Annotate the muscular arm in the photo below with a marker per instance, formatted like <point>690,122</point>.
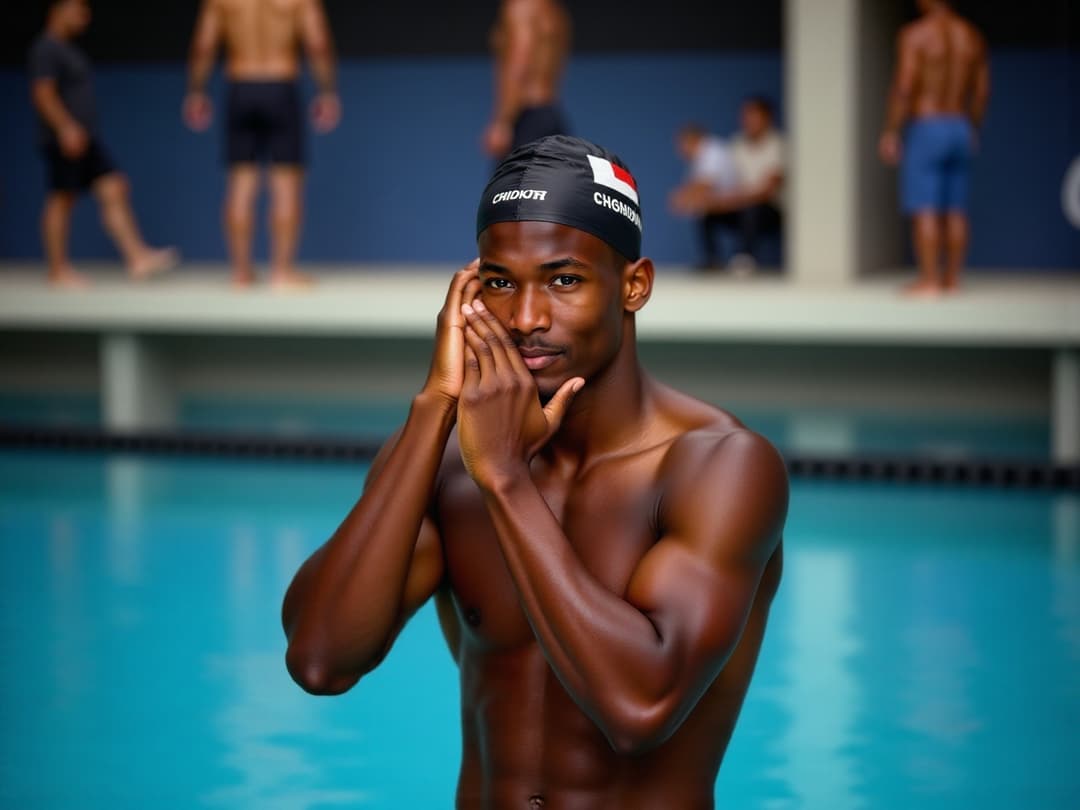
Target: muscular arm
<point>980,92</point>
<point>512,67</point>
<point>638,663</point>
<point>204,46</point>
<point>350,599</point>
<point>903,85</point>
<point>319,44</point>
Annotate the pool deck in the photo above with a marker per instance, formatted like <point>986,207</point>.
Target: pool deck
<point>993,311</point>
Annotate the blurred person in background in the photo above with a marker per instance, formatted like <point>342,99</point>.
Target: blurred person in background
<point>752,208</point>
<point>940,90</point>
<point>531,43</point>
<point>263,116</point>
<point>62,92</point>
<point>711,173</point>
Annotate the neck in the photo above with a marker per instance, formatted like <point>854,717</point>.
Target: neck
<point>607,413</point>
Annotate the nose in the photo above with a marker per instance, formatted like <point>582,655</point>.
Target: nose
<point>531,312</point>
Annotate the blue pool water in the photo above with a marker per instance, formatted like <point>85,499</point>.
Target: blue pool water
<point>924,650</point>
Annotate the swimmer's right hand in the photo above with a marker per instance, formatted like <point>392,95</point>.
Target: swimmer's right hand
<point>447,373</point>
<point>198,111</point>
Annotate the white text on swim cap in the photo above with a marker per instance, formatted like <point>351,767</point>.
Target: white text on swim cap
<point>618,206</point>
<point>518,194</point>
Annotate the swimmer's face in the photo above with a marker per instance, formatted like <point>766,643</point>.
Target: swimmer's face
<point>562,294</point>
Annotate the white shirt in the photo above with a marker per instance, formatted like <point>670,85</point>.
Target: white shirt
<point>757,161</point>
<point>713,164</point>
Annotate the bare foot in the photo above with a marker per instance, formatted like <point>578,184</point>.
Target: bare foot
<point>68,278</point>
<point>950,286</point>
<point>922,289</point>
<point>243,279</point>
<point>291,281</point>
<point>154,262</point>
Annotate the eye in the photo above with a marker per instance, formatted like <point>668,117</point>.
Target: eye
<point>497,283</point>
<point>565,281</point>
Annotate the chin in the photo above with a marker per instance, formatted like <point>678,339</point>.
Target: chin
<point>547,387</point>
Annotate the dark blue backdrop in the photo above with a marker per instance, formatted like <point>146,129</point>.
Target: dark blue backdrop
<point>398,180</point>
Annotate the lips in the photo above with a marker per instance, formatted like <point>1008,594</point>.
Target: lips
<point>537,358</point>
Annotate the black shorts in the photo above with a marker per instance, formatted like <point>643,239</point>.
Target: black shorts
<point>534,123</point>
<point>264,122</point>
<point>78,174</point>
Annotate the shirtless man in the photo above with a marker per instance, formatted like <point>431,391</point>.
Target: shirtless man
<point>531,42</point>
<point>602,549</point>
<point>263,115</point>
<point>62,92</point>
<point>941,84</point>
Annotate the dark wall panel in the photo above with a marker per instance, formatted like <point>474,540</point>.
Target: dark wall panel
<point>159,30</point>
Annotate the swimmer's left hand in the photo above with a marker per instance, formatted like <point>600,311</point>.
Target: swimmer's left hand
<point>501,423</point>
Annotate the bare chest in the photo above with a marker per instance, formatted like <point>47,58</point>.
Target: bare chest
<point>609,521</point>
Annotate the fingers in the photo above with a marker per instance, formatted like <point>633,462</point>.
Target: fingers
<point>472,369</point>
<point>488,364</point>
<point>466,283</point>
<point>491,329</point>
<point>498,341</point>
<point>556,408</point>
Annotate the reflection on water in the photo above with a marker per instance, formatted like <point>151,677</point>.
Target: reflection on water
<point>264,727</point>
<point>125,481</point>
<point>922,651</point>
<point>819,693</point>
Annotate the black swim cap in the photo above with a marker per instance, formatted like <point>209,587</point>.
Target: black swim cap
<point>568,181</point>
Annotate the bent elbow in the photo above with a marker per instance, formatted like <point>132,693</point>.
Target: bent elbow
<point>635,735</point>
<point>634,742</point>
<point>315,676</point>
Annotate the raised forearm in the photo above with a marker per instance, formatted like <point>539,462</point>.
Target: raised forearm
<point>607,654</point>
<point>345,603</point>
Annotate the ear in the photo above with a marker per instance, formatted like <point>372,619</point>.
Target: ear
<point>637,284</point>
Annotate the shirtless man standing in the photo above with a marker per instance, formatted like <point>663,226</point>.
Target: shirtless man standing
<point>263,115</point>
<point>62,92</point>
<point>941,84</point>
<point>603,550</point>
<point>531,42</point>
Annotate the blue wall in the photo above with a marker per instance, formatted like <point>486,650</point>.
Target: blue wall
<point>398,181</point>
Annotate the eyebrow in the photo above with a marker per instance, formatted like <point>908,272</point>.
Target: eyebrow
<point>555,264</point>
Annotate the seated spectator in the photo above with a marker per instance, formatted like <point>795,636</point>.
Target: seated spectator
<point>711,173</point>
<point>751,206</point>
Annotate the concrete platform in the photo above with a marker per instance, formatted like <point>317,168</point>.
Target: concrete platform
<point>993,309</point>
<point>995,313</point>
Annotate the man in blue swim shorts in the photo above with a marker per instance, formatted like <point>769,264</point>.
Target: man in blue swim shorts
<point>940,90</point>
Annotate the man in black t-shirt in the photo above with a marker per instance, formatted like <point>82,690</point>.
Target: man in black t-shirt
<point>63,96</point>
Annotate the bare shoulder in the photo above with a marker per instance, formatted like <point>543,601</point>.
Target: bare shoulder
<point>722,482</point>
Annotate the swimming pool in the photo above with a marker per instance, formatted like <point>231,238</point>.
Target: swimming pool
<point>924,649</point>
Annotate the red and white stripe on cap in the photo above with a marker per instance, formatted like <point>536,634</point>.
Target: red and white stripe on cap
<point>614,177</point>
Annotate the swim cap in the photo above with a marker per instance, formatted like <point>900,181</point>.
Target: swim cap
<point>569,181</point>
